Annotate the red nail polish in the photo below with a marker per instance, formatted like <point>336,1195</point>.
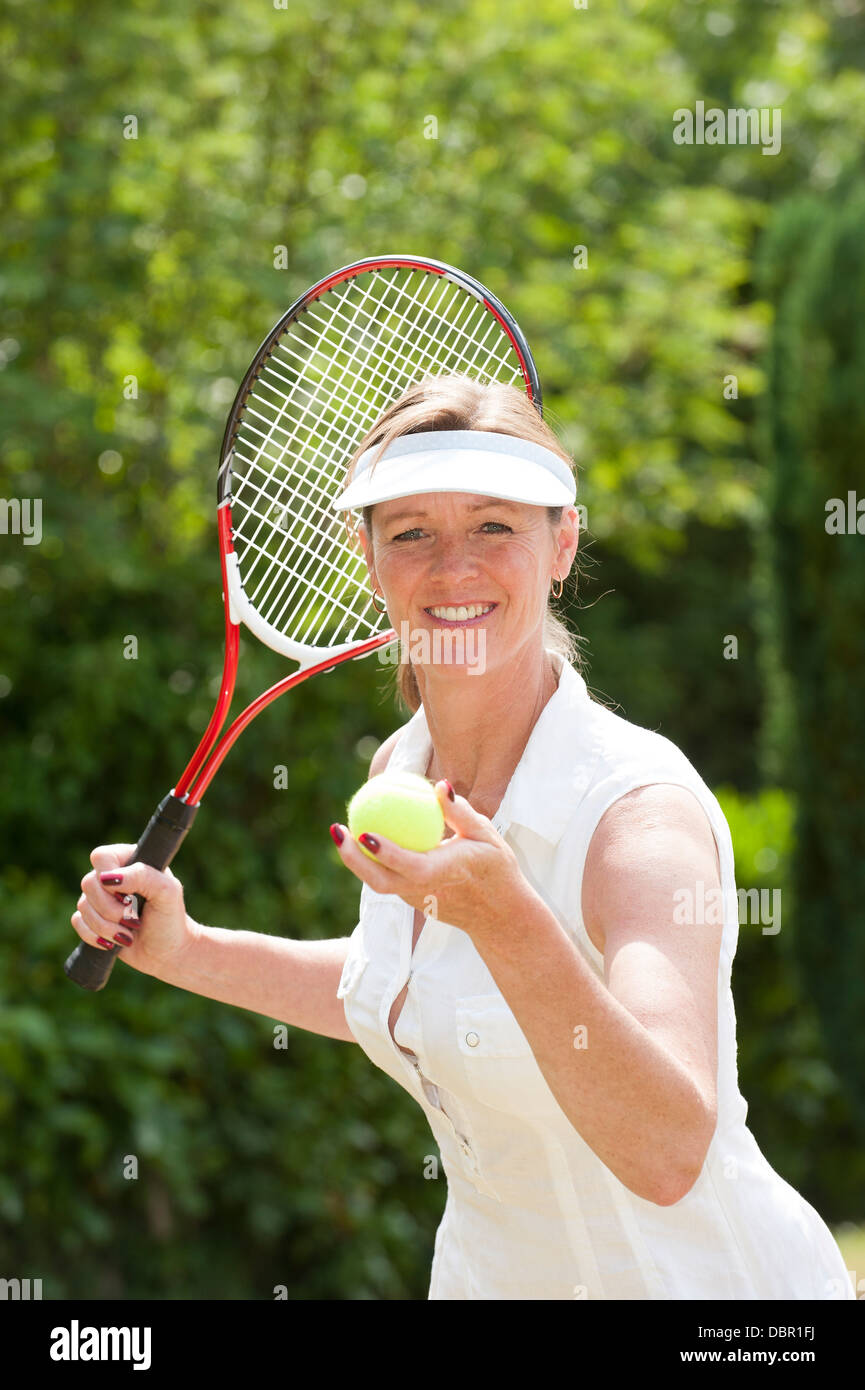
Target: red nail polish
<point>451,793</point>
<point>369,842</point>
<point>103,942</point>
<point>111,877</point>
<point>122,939</point>
<point>336,835</point>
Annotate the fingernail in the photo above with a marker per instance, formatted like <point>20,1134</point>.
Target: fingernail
<point>369,842</point>
<point>111,877</point>
<point>103,942</point>
<point>451,793</point>
<point>337,835</point>
<point>122,939</point>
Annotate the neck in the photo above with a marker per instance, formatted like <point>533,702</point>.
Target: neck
<point>480,725</point>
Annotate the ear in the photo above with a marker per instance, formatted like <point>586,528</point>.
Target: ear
<point>567,541</point>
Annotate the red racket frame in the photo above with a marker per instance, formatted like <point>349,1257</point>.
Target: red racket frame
<point>197,776</point>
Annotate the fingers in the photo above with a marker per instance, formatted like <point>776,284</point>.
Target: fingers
<point>121,881</point>
<point>109,905</point>
<point>98,930</point>
<point>462,817</point>
<point>382,860</point>
<point>383,854</point>
<point>106,912</point>
<point>104,915</point>
<point>109,856</point>
<point>157,886</point>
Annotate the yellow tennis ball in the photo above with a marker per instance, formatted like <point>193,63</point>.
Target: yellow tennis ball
<point>401,806</point>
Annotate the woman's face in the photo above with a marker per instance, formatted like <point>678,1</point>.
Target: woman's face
<point>457,560</point>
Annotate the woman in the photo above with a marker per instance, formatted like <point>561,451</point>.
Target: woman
<point>531,981</point>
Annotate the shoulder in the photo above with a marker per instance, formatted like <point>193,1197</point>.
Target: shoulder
<point>381,756</point>
<point>600,757</point>
<point>657,807</point>
<point>618,740</point>
<point>628,773</point>
<point>650,840</point>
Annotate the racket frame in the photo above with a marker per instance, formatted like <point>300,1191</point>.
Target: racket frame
<point>90,966</point>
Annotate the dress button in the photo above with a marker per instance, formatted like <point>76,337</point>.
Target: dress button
<point>472,1039</point>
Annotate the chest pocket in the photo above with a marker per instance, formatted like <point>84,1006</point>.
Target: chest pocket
<point>486,1027</point>
<point>498,1063</point>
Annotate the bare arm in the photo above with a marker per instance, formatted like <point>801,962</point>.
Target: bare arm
<point>641,1090</point>
<point>294,982</point>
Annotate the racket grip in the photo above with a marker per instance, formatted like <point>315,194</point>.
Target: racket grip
<point>90,966</point>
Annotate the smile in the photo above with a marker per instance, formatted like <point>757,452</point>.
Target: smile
<point>462,613</point>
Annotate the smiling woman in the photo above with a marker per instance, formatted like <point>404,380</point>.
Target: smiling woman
<point>530,981</point>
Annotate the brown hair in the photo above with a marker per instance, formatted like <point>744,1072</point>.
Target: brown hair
<point>459,402</point>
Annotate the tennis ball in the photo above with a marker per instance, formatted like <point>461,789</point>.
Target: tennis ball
<point>401,806</point>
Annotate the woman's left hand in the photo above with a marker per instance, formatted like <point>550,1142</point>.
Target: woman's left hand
<point>471,880</point>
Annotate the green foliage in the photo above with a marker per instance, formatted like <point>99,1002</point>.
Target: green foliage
<point>814,421</point>
<point>659,649</point>
<point>799,1108</point>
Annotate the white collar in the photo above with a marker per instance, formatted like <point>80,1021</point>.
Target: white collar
<point>554,771</point>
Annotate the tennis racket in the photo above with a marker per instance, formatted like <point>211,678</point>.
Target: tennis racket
<point>343,352</point>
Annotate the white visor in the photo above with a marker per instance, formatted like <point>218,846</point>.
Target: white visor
<point>477,461</point>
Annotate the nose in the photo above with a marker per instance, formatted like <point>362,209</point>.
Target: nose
<point>453,560</point>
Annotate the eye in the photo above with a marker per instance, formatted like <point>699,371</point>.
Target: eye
<point>408,535</point>
<point>499,525</point>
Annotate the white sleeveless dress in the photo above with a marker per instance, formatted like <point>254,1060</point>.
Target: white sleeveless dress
<point>531,1211</point>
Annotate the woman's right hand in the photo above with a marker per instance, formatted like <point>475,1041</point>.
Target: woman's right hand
<point>165,929</point>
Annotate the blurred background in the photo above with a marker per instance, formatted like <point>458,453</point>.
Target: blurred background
<point>173,177</point>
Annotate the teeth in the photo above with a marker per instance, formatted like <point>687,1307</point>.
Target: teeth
<point>459,615</point>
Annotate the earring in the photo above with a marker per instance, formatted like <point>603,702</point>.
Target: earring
<point>383,608</point>
<point>553,587</point>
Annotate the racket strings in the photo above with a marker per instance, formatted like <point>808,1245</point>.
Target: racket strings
<point>338,366</point>
<point>339,385</point>
<point>331,564</point>
<point>315,561</point>
<point>341,388</point>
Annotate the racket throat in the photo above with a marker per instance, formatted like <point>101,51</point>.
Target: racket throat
<point>242,611</point>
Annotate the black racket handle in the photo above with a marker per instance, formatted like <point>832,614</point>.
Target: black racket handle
<point>90,966</point>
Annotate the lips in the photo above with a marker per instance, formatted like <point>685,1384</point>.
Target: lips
<point>460,613</point>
